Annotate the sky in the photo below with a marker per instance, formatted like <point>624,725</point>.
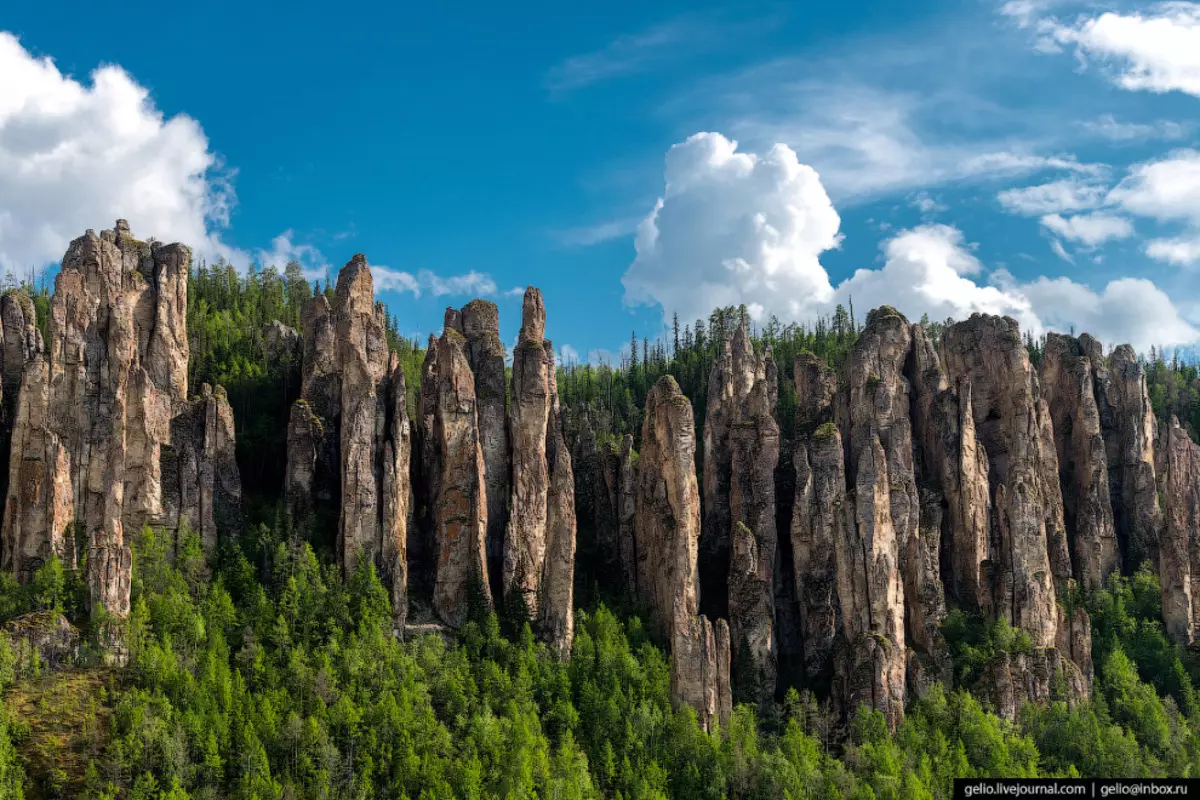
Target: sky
<point>1036,158</point>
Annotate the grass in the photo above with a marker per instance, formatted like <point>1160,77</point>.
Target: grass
<point>59,723</point>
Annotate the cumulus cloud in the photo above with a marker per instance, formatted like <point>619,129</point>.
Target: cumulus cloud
<point>1166,189</point>
<point>1052,198</point>
<point>927,205</point>
<point>1157,50</point>
<point>735,227</point>
<point>77,155</point>
<point>1089,230</point>
<point>1181,251</point>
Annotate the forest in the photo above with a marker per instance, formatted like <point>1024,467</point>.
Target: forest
<point>261,672</point>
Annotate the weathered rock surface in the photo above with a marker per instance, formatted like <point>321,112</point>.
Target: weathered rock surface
<point>872,665</point>
<point>202,488</point>
<point>1030,552</point>
<point>460,508</point>
<point>557,601</point>
<point>667,525</point>
<point>48,633</point>
<point>620,476</point>
<point>668,506</point>
<point>1130,431</point>
<point>525,540</point>
<point>888,567</point>
<point>22,342</point>
<point>349,438</point>
<point>818,514</point>
<point>1068,383</point>
<point>753,450</point>
<point>1178,467</point>
<point>480,321</point>
<point>700,657</point>
<point>952,459</point>
<point>95,412</point>
<point>1013,680</point>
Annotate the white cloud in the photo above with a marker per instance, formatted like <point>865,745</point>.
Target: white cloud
<point>1109,128</point>
<point>733,228</point>
<point>1166,189</point>
<point>1182,251</point>
<point>1089,229</point>
<point>1157,50</point>
<point>1057,248</point>
<point>284,249</point>
<point>599,233</point>
<point>1051,198</point>
<point>427,282</point>
<point>516,291</point>
<point>927,205</point>
<point>77,155</point>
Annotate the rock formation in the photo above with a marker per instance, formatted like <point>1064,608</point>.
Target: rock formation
<point>667,525</point>
<point>460,504</point>
<point>872,667</point>
<point>741,453</point>
<point>1015,679</point>
<point>952,460</point>
<point>95,411</point>
<point>819,512</point>
<point>349,439</point>
<point>1015,429</point>
<point>485,353</point>
<point>202,488</point>
<point>556,616</point>
<point>1178,467</point>
<point>1129,436</point>
<point>700,658</point>
<point>888,569</point>
<point>1068,383</point>
<point>525,541</point>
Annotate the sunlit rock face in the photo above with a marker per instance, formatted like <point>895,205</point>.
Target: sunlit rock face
<point>103,433</point>
<point>349,436</point>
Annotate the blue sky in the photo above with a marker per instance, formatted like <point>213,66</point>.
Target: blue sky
<point>1028,157</point>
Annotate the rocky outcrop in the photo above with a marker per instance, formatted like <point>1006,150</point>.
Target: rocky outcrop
<point>202,488</point>
<point>349,439</point>
<point>888,568</point>
<point>95,412</point>
<point>1040,676</point>
<point>427,472</point>
<point>22,342</point>
<point>556,616</point>
<point>525,541</point>
<point>460,506</point>
<point>1068,382</point>
<point>480,321</point>
<point>395,486</point>
<point>700,656</point>
<point>818,525</point>
<point>47,633</point>
<point>667,522</point>
<point>620,477</point>
<point>1130,431</point>
<point>753,448</point>
<point>1178,468</point>
<point>871,668</point>
<point>1030,554</point>
<point>952,460</point>
<point>667,525</point>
